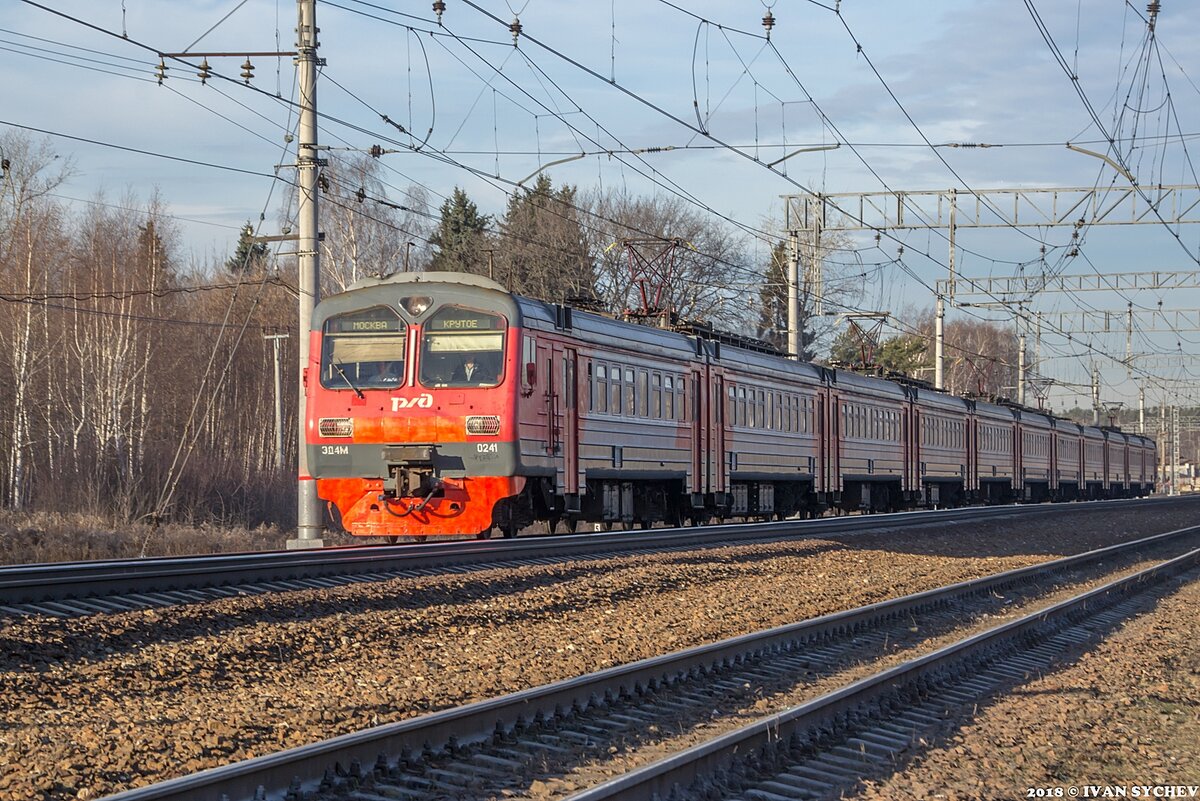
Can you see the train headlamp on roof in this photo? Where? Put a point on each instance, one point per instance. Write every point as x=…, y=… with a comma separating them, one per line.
x=416, y=305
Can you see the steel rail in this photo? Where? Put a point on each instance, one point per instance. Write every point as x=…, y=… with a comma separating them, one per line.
x=78, y=588
x=671, y=777
x=303, y=769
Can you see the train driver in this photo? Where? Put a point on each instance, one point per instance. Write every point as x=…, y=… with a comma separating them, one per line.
x=472, y=372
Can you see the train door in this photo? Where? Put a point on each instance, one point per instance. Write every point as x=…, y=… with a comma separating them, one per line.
x=971, y=479
x=834, y=453
x=547, y=412
x=1053, y=473
x=1018, y=461
x=1125, y=461
x=912, y=449
x=716, y=436
x=570, y=421
x=699, y=416
x=1105, y=460
x=820, y=401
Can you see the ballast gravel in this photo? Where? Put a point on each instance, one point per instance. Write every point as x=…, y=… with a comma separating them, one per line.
x=92, y=706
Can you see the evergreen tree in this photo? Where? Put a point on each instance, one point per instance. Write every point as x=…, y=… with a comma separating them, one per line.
x=461, y=236
x=773, y=307
x=250, y=256
x=546, y=252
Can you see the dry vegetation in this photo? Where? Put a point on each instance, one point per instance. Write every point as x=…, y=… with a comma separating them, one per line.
x=54, y=537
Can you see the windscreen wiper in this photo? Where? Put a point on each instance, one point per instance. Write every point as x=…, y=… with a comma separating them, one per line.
x=338, y=366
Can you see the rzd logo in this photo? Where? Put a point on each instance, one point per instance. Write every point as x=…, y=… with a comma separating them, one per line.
x=422, y=401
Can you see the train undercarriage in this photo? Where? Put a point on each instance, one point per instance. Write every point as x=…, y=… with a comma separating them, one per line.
x=614, y=503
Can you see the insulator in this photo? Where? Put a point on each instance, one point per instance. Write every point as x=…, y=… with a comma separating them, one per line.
x=376, y=151
x=768, y=22
x=205, y=73
x=161, y=71
x=361, y=194
x=515, y=27
x=323, y=183
x=438, y=7
x=247, y=71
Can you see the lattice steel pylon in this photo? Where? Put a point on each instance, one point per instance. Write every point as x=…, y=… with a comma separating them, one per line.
x=950, y=209
x=867, y=336
x=651, y=275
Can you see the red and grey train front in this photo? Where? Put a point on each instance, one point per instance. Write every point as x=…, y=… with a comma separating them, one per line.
x=411, y=404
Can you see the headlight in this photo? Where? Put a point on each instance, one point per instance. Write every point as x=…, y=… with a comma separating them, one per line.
x=336, y=426
x=483, y=425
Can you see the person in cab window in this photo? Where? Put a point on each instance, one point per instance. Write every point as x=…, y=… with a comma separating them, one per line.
x=471, y=372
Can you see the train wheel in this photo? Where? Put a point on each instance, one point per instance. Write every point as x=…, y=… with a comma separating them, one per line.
x=393, y=540
x=508, y=530
x=645, y=524
x=486, y=534
x=420, y=538
x=570, y=524
x=552, y=525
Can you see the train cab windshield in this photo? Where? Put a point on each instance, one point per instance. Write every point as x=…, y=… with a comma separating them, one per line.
x=363, y=349
x=462, y=348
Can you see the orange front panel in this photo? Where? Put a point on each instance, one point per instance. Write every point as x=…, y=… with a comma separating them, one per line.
x=465, y=509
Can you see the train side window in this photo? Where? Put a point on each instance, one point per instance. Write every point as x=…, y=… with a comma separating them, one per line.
x=617, y=391
x=591, y=384
x=731, y=409
x=643, y=393
x=656, y=396
x=601, y=388
x=528, y=359
x=668, y=397
x=630, y=389
x=681, y=398
x=740, y=418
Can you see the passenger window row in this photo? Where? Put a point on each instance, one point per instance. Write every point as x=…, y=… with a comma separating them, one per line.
x=652, y=394
x=1037, y=444
x=942, y=432
x=769, y=410
x=862, y=421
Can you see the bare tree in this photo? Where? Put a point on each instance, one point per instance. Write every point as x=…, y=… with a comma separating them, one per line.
x=33, y=238
x=366, y=233
x=711, y=276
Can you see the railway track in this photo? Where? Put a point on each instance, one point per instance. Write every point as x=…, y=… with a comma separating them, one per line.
x=106, y=587
x=558, y=737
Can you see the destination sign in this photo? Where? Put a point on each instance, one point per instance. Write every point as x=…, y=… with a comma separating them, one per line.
x=455, y=319
x=371, y=321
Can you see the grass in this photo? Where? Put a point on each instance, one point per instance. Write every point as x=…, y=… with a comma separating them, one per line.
x=28, y=537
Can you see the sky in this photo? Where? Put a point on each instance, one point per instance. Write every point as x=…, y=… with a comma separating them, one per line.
x=891, y=83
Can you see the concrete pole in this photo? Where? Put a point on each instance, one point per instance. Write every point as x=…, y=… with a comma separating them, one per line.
x=793, y=295
x=939, y=344
x=1095, y=395
x=308, y=506
x=1162, y=442
x=1174, y=450
x=1021, y=369
x=1141, y=410
x=816, y=280
x=1037, y=345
